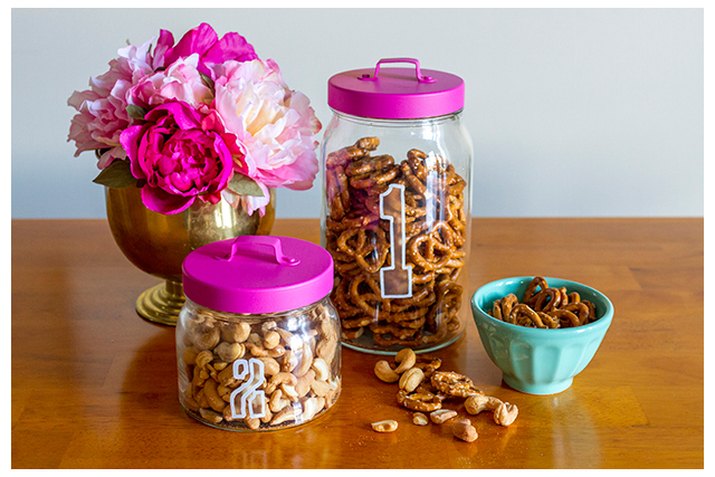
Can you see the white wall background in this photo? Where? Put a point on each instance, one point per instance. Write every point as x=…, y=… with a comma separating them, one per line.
x=572, y=112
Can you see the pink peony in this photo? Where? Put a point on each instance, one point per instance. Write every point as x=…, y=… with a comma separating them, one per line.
x=181, y=82
x=182, y=155
x=102, y=109
x=275, y=125
x=202, y=40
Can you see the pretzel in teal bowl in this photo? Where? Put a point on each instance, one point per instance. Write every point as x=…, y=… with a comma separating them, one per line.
x=539, y=356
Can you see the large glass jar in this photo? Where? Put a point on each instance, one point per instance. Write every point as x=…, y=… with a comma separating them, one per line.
x=397, y=162
x=257, y=340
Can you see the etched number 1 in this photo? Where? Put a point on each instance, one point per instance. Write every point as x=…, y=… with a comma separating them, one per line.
x=395, y=280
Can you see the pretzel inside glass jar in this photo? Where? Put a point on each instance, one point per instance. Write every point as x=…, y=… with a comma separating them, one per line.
x=358, y=237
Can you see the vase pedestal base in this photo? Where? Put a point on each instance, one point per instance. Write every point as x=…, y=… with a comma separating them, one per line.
x=161, y=303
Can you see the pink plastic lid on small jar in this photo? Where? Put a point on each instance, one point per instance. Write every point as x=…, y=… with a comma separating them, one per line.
x=396, y=93
x=255, y=274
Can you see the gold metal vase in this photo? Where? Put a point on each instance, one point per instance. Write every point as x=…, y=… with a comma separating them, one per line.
x=157, y=244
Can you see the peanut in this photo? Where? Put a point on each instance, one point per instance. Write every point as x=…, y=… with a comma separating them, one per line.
x=211, y=416
x=287, y=414
x=321, y=368
x=205, y=337
x=271, y=340
x=271, y=367
x=464, y=430
x=419, y=419
x=211, y=393
x=306, y=361
x=504, y=413
x=385, y=373
x=388, y=425
x=229, y=351
x=406, y=359
x=411, y=379
x=235, y=333
x=440, y=416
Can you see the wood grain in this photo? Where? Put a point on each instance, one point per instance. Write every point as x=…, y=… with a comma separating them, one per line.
x=94, y=386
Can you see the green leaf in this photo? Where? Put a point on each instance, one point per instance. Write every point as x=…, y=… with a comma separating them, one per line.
x=136, y=112
x=208, y=81
x=244, y=185
x=117, y=175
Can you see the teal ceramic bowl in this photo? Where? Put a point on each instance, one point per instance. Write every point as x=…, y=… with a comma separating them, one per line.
x=535, y=360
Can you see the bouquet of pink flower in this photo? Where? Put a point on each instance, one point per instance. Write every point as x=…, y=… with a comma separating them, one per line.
x=203, y=119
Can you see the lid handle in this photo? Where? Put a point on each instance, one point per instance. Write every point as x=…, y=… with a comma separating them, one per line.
x=418, y=73
x=249, y=244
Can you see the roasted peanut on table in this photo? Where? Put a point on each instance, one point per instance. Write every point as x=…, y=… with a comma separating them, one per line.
x=464, y=430
x=388, y=425
x=263, y=372
x=424, y=387
x=419, y=419
x=504, y=413
x=440, y=416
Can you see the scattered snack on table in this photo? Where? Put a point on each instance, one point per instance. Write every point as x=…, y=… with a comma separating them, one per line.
x=464, y=430
x=440, y=416
x=547, y=308
x=358, y=237
x=504, y=412
x=424, y=388
x=419, y=419
x=388, y=425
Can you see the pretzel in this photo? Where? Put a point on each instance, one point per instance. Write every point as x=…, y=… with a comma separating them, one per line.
x=395, y=331
x=419, y=401
x=356, y=236
x=453, y=384
x=521, y=314
x=368, y=165
x=566, y=318
x=421, y=250
x=352, y=334
x=554, y=300
x=428, y=365
x=581, y=309
x=502, y=308
x=547, y=308
x=365, y=247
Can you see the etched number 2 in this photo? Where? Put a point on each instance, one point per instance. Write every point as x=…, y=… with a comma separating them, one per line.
x=395, y=280
x=248, y=391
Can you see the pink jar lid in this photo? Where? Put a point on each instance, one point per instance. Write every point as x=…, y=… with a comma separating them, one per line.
x=396, y=93
x=258, y=274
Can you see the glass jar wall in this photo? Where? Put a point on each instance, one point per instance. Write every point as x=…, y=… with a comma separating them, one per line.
x=258, y=372
x=396, y=208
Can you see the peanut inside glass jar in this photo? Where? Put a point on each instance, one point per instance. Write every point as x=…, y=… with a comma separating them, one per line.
x=258, y=372
x=257, y=340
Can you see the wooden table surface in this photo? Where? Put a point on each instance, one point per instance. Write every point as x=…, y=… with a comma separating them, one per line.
x=93, y=385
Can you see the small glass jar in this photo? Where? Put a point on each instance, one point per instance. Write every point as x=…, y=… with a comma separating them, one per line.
x=396, y=204
x=257, y=340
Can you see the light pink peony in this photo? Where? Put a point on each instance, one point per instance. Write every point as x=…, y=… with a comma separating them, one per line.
x=102, y=109
x=181, y=82
x=275, y=125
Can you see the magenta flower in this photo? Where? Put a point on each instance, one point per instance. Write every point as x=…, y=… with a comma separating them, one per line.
x=202, y=40
x=181, y=155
